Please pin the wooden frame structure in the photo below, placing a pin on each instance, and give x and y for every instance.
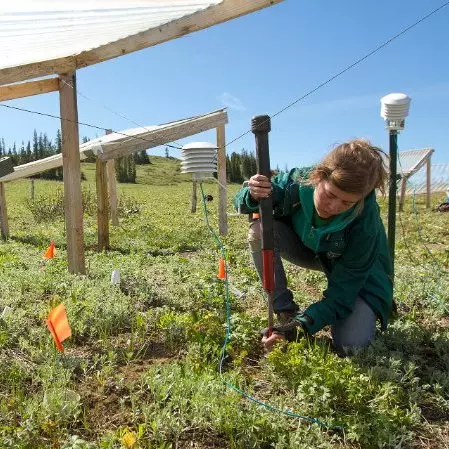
(65, 67)
(115, 145)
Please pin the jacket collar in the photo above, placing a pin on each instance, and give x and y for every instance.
(339, 221)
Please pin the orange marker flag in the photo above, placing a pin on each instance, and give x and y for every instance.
(59, 326)
(221, 269)
(51, 251)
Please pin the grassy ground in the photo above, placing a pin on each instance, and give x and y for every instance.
(140, 370)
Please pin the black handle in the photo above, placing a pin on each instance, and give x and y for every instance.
(261, 126)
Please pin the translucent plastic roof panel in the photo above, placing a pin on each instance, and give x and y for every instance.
(39, 30)
(412, 160)
(439, 180)
(46, 37)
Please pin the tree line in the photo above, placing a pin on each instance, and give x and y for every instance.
(241, 166)
(40, 147)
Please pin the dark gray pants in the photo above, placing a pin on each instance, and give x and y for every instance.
(356, 330)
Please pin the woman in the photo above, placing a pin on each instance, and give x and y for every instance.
(327, 218)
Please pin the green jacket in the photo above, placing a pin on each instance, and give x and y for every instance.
(352, 248)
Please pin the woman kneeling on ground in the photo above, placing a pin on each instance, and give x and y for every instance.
(326, 218)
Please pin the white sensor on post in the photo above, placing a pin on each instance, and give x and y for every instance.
(200, 159)
(394, 109)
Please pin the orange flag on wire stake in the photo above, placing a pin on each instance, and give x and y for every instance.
(59, 326)
(221, 269)
(51, 251)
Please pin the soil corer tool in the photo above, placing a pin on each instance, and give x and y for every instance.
(261, 126)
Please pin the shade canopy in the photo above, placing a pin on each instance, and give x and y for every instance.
(411, 161)
(44, 37)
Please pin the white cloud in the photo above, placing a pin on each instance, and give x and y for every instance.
(231, 102)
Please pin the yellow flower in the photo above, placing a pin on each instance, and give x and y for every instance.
(129, 440)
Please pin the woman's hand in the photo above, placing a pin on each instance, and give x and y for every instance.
(259, 187)
(269, 342)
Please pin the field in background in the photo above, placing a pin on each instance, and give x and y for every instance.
(140, 370)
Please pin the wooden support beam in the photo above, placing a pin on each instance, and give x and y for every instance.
(13, 91)
(169, 133)
(194, 197)
(112, 184)
(428, 183)
(72, 173)
(10, 75)
(3, 213)
(102, 205)
(222, 196)
(403, 190)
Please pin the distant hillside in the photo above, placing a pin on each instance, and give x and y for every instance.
(161, 171)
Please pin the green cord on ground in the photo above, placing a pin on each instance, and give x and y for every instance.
(228, 335)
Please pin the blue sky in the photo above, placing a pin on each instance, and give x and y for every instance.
(261, 62)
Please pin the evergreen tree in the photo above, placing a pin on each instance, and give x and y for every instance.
(22, 154)
(125, 169)
(253, 164)
(228, 169)
(240, 167)
(35, 146)
(141, 158)
(45, 146)
(59, 174)
(236, 172)
(29, 154)
(247, 165)
(58, 142)
(40, 147)
(14, 155)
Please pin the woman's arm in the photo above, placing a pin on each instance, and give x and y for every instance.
(347, 277)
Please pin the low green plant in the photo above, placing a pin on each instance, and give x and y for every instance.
(340, 392)
(50, 206)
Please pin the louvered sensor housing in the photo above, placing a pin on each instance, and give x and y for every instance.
(394, 109)
(200, 159)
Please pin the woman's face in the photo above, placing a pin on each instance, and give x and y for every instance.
(329, 200)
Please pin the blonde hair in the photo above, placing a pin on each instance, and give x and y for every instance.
(355, 166)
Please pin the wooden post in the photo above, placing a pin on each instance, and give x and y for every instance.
(403, 189)
(112, 184)
(193, 197)
(428, 183)
(222, 197)
(32, 190)
(73, 206)
(112, 188)
(102, 205)
(3, 213)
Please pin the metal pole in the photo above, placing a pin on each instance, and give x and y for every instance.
(261, 126)
(392, 193)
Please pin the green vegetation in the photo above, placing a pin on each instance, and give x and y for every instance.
(141, 367)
